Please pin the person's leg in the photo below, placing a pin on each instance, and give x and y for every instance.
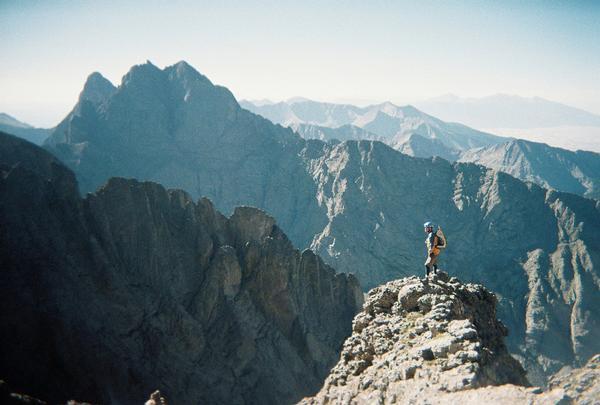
(434, 264)
(428, 265)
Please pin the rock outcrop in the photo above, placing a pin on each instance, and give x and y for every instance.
(416, 339)
(438, 341)
(359, 205)
(137, 288)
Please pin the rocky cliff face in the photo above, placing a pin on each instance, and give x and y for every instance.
(360, 205)
(136, 287)
(537, 249)
(418, 339)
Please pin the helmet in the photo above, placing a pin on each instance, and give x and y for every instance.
(428, 224)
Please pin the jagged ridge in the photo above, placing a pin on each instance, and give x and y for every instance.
(393, 124)
(560, 169)
(136, 287)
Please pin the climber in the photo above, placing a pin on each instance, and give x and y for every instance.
(435, 242)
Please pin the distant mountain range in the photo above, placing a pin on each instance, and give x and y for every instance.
(560, 169)
(391, 124)
(13, 126)
(418, 134)
(534, 119)
(507, 111)
(359, 204)
(415, 133)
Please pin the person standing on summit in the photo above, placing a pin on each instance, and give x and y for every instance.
(435, 241)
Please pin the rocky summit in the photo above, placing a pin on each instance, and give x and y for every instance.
(418, 338)
(137, 288)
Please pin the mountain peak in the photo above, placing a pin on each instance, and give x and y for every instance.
(184, 66)
(524, 146)
(396, 111)
(95, 76)
(96, 89)
(184, 71)
(411, 110)
(388, 106)
(416, 337)
(142, 71)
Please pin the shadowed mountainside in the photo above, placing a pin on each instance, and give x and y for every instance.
(136, 287)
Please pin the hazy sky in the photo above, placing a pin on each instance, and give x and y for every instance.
(331, 51)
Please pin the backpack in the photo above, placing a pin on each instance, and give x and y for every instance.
(442, 241)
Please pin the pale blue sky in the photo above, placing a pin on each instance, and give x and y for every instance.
(331, 51)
